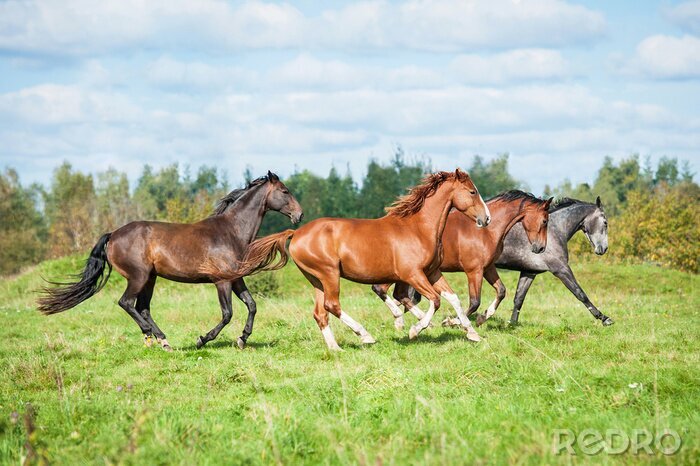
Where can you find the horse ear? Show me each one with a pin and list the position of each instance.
(461, 175)
(548, 203)
(597, 202)
(272, 177)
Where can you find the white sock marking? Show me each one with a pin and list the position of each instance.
(356, 327)
(330, 339)
(393, 307)
(491, 310)
(453, 299)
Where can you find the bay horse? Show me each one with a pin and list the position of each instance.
(566, 217)
(142, 251)
(474, 251)
(404, 245)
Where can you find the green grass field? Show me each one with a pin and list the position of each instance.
(101, 397)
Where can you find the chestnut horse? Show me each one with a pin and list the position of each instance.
(143, 251)
(474, 251)
(404, 245)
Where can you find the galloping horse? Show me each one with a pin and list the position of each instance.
(566, 217)
(143, 251)
(404, 245)
(474, 251)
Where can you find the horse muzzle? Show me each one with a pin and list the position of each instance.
(537, 248)
(483, 223)
(600, 250)
(296, 217)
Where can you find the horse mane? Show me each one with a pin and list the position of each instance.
(231, 198)
(409, 204)
(566, 202)
(515, 194)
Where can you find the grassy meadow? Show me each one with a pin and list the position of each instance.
(101, 397)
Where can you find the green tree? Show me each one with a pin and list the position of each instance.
(114, 205)
(492, 177)
(22, 229)
(71, 211)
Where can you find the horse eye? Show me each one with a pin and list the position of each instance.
(544, 222)
(472, 192)
(285, 191)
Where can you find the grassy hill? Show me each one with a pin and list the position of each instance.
(100, 396)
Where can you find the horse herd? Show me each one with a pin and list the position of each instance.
(441, 225)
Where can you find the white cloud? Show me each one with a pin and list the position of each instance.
(513, 66)
(686, 15)
(667, 57)
(82, 27)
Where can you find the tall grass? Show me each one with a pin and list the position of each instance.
(100, 396)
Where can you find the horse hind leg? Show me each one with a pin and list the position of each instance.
(331, 304)
(143, 305)
(128, 301)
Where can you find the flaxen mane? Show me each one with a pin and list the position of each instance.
(231, 198)
(412, 202)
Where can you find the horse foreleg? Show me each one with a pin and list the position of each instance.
(423, 286)
(241, 290)
(224, 290)
(491, 275)
(565, 274)
(381, 291)
(409, 298)
(442, 287)
(524, 283)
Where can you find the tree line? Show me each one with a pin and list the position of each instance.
(649, 207)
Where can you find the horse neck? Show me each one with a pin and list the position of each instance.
(247, 213)
(504, 215)
(569, 220)
(432, 217)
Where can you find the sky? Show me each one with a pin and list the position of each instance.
(310, 85)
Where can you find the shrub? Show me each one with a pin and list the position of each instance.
(266, 284)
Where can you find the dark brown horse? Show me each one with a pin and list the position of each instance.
(143, 251)
(474, 251)
(402, 246)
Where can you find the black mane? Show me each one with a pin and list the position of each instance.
(566, 202)
(231, 198)
(515, 194)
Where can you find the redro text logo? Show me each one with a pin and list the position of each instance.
(615, 442)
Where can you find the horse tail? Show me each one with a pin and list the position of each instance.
(68, 295)
(262, 253)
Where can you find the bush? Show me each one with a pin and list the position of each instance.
(661, 226)
(266, 284)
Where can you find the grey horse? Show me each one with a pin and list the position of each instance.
(566, 217)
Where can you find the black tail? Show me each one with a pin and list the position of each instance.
(90, 281)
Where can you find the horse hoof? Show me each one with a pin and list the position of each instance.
(200, 342)
(473, 336)
(148, 341)
(241, 343)
(413, 333)
(167, 348)
(368, 340)
(608, 321)
(398, 323)
(513, 323)
(480, 319)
